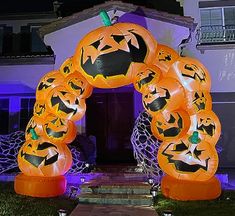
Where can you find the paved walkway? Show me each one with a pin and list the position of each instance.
(112, 210)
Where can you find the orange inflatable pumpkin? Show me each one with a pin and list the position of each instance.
(167, 94)
(207, 124)
(165, 57)
(35, 123)
(78, 85)
(197, 101)
(188, 160)
(105, 56)
(47, 83)
(145, 75)
(64, 104)
(192, 74)
(170, 125)
(39, 109)
(42, 158)
(67, 67)
(58, 130)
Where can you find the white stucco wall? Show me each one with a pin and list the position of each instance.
(64, 41)
(220, 63)
(26, 74)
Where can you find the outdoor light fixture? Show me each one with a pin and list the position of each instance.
(82, 179)
(154, 193)
(150, 181)
(167, 213)
(62, 212)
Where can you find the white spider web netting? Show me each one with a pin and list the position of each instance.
(145, 147)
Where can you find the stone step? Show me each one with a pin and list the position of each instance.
(115, 199)
(121, 176)
(120, 187)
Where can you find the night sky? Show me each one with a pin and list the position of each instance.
(69, 7)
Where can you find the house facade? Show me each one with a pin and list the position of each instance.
(205, 32)
(24, 58)
(213, 43)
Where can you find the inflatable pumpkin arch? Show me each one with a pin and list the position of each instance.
(175, 92)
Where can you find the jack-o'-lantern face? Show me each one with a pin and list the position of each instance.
(77, 84)
(191, 73)
(42, 158)
(104, 56)
(35, 123)
(194, 72)
(59, 130)
(183, 159)
(67, 67)
(39, 109)
(65, 104)
(197, 101)
(207, 124)
(47, 83)
(158, 97)
(166, 56)
(156, 100)
(145, 76)
(170, 125)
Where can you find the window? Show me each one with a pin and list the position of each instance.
(26, 111)
(4, 115)
(37, 43)
(1, 38)
(7, 40)
(217, 22)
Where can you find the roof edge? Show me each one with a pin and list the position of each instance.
(61, 23)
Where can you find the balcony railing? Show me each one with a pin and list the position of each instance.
(216, 34)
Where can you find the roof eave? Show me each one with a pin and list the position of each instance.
(61, 23)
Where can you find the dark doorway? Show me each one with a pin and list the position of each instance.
(110, 118)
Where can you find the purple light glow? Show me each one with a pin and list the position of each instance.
(136, 17)
(12, 88)
(76, 179)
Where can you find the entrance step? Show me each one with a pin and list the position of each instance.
(116, 186)
(126, 187)
(117, 199)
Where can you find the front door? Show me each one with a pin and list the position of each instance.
(110, 118)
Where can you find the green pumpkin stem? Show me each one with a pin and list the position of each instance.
(194, 139)
(34, 134)
(105, 18)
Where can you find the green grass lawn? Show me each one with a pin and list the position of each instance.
(224, 206)
(13, 204)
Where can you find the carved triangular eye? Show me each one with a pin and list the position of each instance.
(50, 80)
(63, 92)
(197, 153)
(54, 120)
(96, 44)
(172, 119)
(154, 92)
(196, 96)
(118, 38)
(180, 147)
(188, 67)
